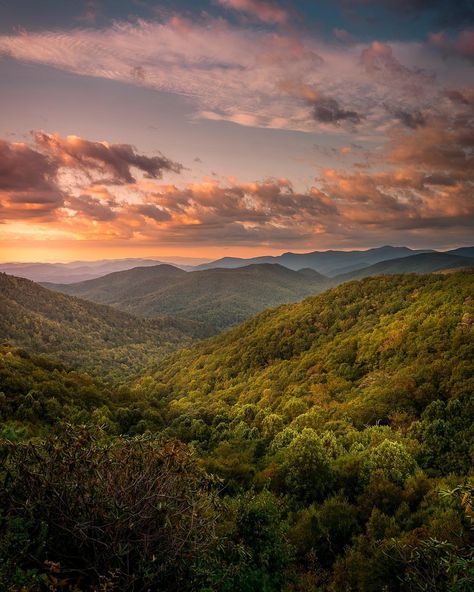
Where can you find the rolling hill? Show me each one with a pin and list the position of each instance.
(363, 350)
(329, 263)
(76, 271)
(218, 298)
(332, 425)
(422, 263)
(84, 335)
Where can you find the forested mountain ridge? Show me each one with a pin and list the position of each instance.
(422, 263)
(220, 297)
(325, 445)
(116, 286)
(75, 271)
(217, 297)
(82, 334)
(355, 407)
(329, 263)
(360, 349)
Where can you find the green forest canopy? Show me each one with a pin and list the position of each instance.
(330, 427)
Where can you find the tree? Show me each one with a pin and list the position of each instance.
(307, 467)
(391, 460)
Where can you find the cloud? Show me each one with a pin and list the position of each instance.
(416, 183)
(460, 98)
(324, 109)
(187, 57)
(38, 182)
(343, 36)
(441, 146)
(328, 110)
(461, 46)
(263, 10)
(21, 167)
(412, 120)
(380, 62)
(422, 183)
(92, 208)
(27, 183)
(115, 160)
(427, 185)
(92, 10)
(150, 211)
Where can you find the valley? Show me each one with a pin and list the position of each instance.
(333, 422)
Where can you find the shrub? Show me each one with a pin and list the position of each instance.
(78, 508)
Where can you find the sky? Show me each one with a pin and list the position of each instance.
(140, 128)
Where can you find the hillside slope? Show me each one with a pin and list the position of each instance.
(112, 288)
(217, 297)
(333, 425)
(422, 263)
(364, 350)
(83, 334)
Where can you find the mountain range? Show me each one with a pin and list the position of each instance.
(78, 271)
(326, 428)
(222, 297)
(329, 263)
(422, 263)
(217, 297)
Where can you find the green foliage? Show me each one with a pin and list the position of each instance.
(307, 467)
(255, 554)
(131, 510)
(366, 351)
(389, 460)
(84, 335)
(215, 298)
(332, 426)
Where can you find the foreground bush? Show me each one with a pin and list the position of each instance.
(81, 512)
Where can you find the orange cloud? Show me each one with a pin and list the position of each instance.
(429, 185)
(423, 182)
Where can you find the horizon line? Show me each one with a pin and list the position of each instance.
(203, 260)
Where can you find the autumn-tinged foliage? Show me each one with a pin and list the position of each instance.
(85, 335)
(339, 433)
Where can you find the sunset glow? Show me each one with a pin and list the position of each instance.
(243, 127)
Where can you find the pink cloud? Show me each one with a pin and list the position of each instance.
(263, 10)
(461, 46)
(187, 57)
